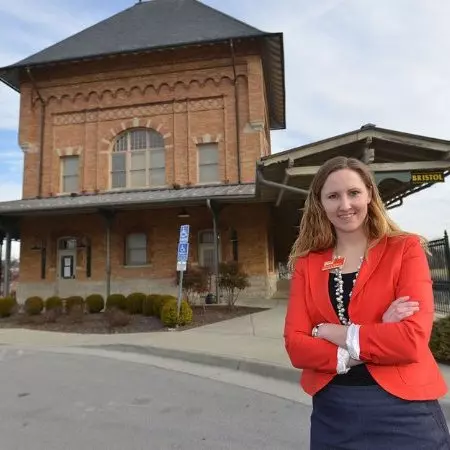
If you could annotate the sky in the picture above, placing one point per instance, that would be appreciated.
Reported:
(347, 62)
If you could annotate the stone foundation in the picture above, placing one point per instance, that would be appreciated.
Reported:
(260, 287)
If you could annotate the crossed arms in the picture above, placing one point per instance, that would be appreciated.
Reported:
(385, 343)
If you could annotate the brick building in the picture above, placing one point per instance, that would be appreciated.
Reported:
(150, 119)
(159, 116)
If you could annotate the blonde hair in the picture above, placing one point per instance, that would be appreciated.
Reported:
(316, 231)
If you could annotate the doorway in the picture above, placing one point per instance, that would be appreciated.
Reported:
(67, 265)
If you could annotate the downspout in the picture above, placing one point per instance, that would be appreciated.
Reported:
(109, 217)
(41, 133)
(216, 246)
(236, 108)
(108, 258)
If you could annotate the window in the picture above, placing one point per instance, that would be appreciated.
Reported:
(70, 174)
(206, 251)
(136, 249)
(208, 163)
(138, 160)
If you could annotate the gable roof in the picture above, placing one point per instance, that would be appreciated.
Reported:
(159, 24)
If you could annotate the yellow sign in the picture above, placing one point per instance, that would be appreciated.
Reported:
(427, 177)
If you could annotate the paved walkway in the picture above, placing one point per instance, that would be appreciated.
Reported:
(252, 343)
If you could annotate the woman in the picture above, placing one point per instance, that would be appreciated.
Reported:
(359, 320)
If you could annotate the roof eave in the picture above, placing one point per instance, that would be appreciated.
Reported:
(95, 207)
(359, 134)
(273, 66)
(275, 80)
(23, 64)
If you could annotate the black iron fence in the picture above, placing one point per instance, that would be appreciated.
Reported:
(439, 261)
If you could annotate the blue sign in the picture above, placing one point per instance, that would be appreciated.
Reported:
(184, 234)
(183, 251)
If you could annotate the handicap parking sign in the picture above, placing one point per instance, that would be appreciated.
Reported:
(183, 251)
(184, 234)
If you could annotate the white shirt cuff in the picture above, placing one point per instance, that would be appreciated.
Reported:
(352, 341)
(343, 358)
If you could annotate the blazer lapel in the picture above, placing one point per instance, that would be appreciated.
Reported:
(319, 285)
(369, 265)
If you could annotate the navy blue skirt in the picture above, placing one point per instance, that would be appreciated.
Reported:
(369, 418)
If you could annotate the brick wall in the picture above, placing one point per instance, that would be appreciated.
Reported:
(189, 97)
(251, 221)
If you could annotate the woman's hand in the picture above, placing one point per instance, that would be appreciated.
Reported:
(400, 309)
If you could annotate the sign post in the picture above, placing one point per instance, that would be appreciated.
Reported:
(182, 258)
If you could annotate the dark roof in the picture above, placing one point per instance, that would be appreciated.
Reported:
(159, 24)
(125, 199)
(408, 139)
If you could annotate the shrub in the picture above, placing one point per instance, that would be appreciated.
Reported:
(118, 301)
(195, 282)
(7, 306)
(34, 306)
(159, 302)
(135, 302)
(74, 301)
(148, 306)
(169, 313)
(440, 340)
(53, 303)
(232, 280)
(95, 303)
(116, 317)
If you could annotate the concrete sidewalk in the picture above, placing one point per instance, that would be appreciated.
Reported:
(252, 343)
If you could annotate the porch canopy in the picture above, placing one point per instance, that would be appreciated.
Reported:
(12, 211)
(398, 160)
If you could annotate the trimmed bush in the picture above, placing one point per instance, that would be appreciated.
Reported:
(160, 302)
(94, 303)
(118, 301)
(169, 313)
(135, 302)
(148, 306)
(53, 302)
(7, 306)
(440, 340)
(34, 306)
(74, 301)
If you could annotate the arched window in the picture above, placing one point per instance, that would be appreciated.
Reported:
(138, 160)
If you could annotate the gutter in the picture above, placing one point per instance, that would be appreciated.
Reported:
(41, 133)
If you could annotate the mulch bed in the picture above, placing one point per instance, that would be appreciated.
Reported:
(98, 323)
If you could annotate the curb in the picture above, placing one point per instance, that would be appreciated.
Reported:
(254, 367)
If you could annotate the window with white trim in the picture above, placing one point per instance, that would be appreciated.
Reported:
(70, 171)
(136, 249)
(138, 160)
(208, 163)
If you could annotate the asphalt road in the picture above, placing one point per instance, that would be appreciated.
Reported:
(52, 401)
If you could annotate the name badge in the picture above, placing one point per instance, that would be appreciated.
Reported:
(334, 264)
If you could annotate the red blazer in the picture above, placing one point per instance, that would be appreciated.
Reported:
(396, 354)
